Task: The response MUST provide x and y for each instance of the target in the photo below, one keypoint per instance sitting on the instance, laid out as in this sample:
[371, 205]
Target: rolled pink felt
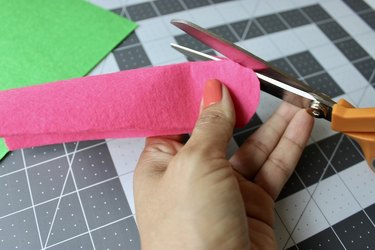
[153, 101]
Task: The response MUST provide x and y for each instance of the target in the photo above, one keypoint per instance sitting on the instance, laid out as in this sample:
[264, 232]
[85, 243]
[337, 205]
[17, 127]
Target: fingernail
[212, 92]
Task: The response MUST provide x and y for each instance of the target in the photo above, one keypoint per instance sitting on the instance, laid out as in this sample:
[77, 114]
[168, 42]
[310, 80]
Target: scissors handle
[357, 123]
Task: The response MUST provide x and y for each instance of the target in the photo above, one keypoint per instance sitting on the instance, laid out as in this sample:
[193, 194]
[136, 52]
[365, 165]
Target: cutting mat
[79, 195]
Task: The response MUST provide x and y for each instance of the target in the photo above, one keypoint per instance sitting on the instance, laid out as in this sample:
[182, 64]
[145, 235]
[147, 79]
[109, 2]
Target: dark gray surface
[81, 203]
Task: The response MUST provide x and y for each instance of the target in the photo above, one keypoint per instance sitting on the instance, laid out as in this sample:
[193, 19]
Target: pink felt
[135, 103]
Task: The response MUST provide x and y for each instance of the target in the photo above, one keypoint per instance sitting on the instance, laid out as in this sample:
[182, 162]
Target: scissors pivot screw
[317, 110]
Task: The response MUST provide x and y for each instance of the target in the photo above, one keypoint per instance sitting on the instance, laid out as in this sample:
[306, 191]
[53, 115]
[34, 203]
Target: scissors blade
[291, 90]
[266, 80]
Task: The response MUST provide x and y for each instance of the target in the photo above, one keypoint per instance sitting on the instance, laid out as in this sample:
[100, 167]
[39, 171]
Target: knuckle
[259, 146]
[213, 117]
[281, 166]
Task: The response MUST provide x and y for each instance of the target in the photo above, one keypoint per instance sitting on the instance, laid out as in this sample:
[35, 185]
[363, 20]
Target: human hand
[191, 197]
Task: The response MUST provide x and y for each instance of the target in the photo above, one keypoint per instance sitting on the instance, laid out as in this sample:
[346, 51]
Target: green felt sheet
[43, 41]
[3, 149]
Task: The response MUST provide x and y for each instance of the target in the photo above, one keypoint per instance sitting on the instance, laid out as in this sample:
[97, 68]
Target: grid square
[356, 232]
[167, 6]
[141, 11]
[354, 25]
[291, 208]
[260, 9]
[69, 220]
[368, 99]
[47, 179]
[278, 6]
[262, 47]
[284, 66]
[367, 69]
[367, 42]
[132, 58]
[127, 184]
[220, 1]
[357, 5]
[152, 29]
[93, 165]
[294, 18]
[311, 36]
[329, 145]
[282, 235]
[70, 147]
[305, 63]
[311, 165]
[160, 52]
[207, 16]
[14, 193]
[190, 42]
[69, 186]
[316, 13]
[370, 210]
[40, 154]
[253, 31]
[232, 11]
[106, 66]
[271, 23]
[351, 49]
[361, 181]
[333, 30]
[81, 242]
[293, 185]
[369, 18]
[311, 222]
[346, 155]
[130, 40]
[240, 27]
[104, 203]
[44, 214]
[12, 162]
[120, 11]
[329, 56]
[349, 78]
[324, 240]
[287, 42]
[335, 200]
[246, 29]
[19, 231]
[337, 9]
[120, 235]
[324, 83]
[88, 144]
[190, 4]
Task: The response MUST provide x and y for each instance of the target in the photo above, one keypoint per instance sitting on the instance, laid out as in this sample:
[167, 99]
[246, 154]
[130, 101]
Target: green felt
[43, 41]
[3, 149]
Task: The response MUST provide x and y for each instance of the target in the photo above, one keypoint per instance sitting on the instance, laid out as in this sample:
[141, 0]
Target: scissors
[357, 123]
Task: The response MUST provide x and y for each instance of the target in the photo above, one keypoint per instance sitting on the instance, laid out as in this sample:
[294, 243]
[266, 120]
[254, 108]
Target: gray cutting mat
[79, 195]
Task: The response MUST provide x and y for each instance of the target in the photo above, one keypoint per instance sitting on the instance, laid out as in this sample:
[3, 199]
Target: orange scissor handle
[357, 123]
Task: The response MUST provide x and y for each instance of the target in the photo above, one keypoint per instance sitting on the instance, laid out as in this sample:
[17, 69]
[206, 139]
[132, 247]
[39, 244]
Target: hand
[191, 197]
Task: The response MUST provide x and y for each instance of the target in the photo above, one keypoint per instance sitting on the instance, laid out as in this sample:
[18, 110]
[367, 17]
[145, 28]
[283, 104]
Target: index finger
[284, 158]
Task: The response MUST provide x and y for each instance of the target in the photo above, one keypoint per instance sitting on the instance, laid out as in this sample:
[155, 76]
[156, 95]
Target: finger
[255, 150]
[282, 161]
[214, 127]
[157, 154]
[258, 204]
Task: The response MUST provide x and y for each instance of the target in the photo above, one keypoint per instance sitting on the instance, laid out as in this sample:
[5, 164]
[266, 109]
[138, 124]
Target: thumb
[214, 127]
